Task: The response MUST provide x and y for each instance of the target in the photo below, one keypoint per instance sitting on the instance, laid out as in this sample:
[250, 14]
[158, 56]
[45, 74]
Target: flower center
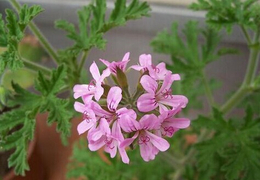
[86, 117]
[168, 130]
[144, 139]
[109, 144]
[167, 93]
[92, 83]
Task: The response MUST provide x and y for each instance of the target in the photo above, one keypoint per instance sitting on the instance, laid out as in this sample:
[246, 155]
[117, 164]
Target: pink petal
[111, 149]
[137, 67]
[158, 142]
[95, 71]
[179, 123]
[113, 98]
[104, 126]
[82, 89]
[123, 155]
[149, 122]
[128, 124]
[126, 56]
[97, 144]
[129, 141]
[145, 60]
[146, 102]
[174, 101]
[146, 151]
[84, 126]
[99, 91]
[167, 83]
[104, 74]
[149, 84]
[79, 107]
[107, 63]
[123, 111]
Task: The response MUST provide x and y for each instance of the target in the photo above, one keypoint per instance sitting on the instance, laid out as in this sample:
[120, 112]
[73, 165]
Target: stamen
[168, 130]
[92, 83]
[109, 143]
[144, 140]
[86, 116]
[166, 93]
[157, 70]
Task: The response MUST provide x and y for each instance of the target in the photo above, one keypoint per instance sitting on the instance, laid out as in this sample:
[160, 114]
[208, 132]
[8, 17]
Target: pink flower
[89, 117]
[113, 66]
[145, 61]
[113, 113]
[170, 124]
[162, 97]
[150, 144]
[94, 88]
[159, 72]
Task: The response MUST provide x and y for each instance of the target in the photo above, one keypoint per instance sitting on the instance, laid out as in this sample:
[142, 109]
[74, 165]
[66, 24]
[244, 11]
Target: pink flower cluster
[115, 119]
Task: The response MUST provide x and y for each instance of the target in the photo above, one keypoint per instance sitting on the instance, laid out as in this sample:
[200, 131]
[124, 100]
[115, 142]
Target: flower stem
[249, 78]
[83, 60]
[249, 42]
[46, 45]
[207, 90]
[36, 67]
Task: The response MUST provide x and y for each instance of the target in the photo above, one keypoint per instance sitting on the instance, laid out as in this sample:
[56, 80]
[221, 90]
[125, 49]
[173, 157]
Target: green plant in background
[227, 148]
[50, 83]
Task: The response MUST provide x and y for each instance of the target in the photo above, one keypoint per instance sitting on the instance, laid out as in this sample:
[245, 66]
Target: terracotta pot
[53, 154]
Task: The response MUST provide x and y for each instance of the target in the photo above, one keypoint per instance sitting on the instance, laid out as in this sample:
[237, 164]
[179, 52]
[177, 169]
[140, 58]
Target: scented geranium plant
[20, 106]
[216, 145]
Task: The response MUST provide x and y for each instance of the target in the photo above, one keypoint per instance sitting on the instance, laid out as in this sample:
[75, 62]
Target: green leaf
[92, 22]
[26, 14]
[51, 87]
[234, 148]
[227, 13]
[12, 25]
[19, 140]
[3, 37]
[58, 113]
[11, 119]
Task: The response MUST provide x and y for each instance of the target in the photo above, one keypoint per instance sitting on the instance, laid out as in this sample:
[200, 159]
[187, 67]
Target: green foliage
[93, 24]
[18, 139]
[233, 150]
[227, 13]
[90, 165]
[27, 105]
[12, 34]
[189, 58]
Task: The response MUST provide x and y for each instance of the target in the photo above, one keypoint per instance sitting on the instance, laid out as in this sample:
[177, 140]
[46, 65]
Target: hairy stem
[83, 60]
[36, 67]
[46, 45]
[207, 90]
[248, 39]
[249, 78]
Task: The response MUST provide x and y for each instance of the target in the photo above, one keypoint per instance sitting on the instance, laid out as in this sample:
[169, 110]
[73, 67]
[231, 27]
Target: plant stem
[249, 78]
[207, 90]
[248, 39]
[46, 45]
[36, 67]
[83, 59]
